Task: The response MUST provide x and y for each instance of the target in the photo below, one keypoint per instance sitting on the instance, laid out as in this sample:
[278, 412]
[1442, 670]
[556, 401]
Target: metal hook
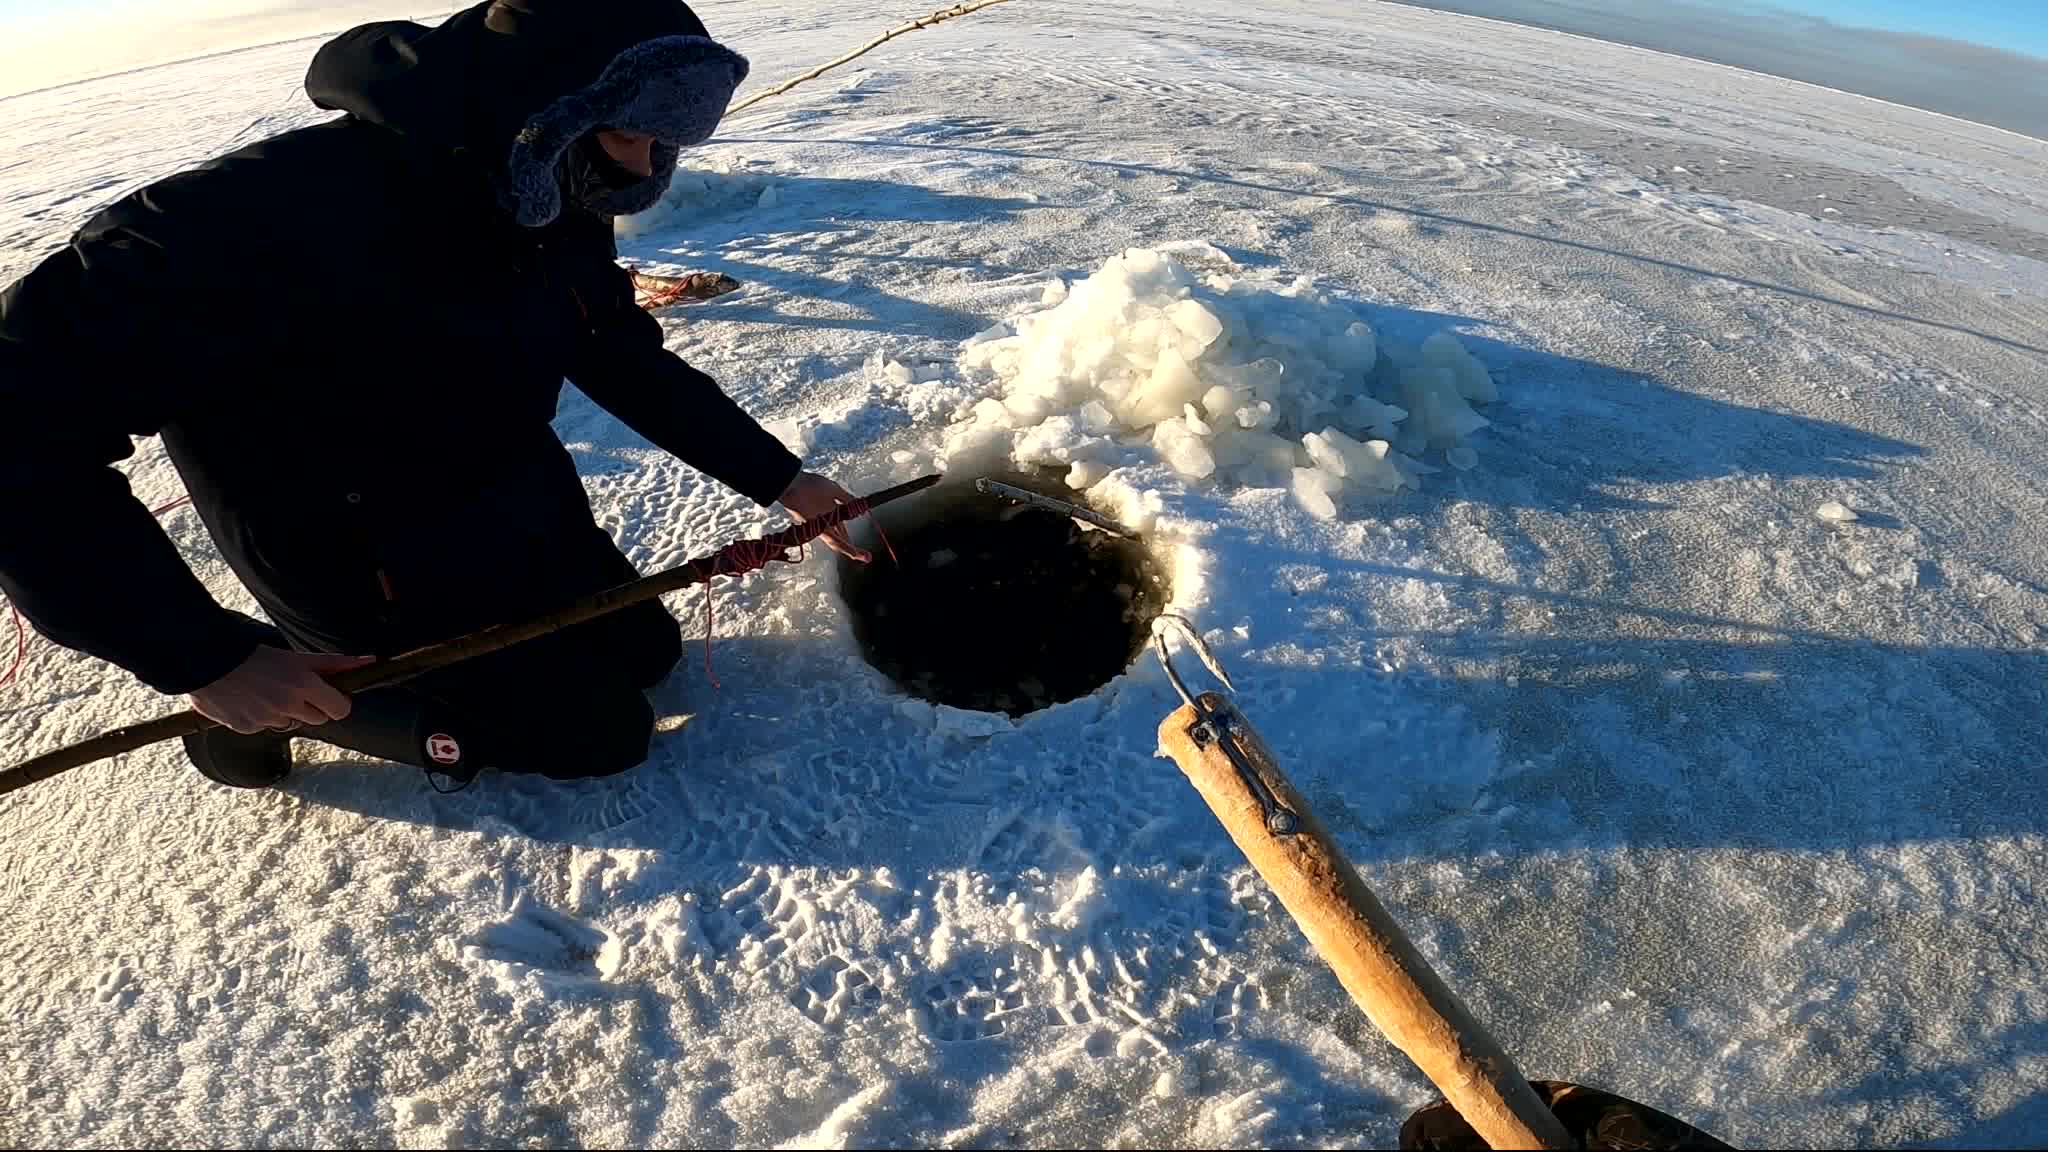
[1193, 639]
[1052, 504]
[1212, 726]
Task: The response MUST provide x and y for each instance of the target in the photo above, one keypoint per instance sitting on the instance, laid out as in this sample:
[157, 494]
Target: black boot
[404, 727]
[225, 756]
[390, 724]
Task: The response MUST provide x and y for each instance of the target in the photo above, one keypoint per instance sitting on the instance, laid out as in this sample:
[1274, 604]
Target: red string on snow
[21, 628]
[653, 298]
[743, 556]
[20, 647]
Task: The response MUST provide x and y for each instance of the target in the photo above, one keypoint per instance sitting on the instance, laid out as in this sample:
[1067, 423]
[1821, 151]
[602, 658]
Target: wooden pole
[1352, 931]
[423, 660]
[921, 22]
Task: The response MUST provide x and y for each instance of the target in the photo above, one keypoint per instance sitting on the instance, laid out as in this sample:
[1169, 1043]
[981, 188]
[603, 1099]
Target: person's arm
[94, 348]
[628, 371]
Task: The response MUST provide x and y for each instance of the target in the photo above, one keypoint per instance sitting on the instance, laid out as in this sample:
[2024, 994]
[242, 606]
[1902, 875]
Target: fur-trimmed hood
[511, 84]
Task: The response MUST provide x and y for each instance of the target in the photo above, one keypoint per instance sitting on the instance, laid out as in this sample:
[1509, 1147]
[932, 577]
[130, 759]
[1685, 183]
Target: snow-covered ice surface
[1695, 794]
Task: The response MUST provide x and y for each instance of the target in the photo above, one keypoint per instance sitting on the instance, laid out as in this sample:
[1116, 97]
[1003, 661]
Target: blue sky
[2020, 25]
[2016, 24]
[45, 42]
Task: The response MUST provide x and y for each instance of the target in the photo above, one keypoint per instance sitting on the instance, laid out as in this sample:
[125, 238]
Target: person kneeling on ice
[352, 338]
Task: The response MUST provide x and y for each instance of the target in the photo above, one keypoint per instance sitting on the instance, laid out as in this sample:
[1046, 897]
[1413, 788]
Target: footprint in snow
[835, 991]
[216, 990]
[1232, 1006]
[978, 1004]
[533, 940]
[117, 987]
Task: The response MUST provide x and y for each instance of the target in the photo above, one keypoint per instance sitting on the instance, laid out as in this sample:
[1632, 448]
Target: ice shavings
[1251, 382]
[695, 194]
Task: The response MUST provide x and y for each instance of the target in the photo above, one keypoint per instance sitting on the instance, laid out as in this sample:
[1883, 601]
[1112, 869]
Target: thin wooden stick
[921, 22]
[423, 660]
[1357, 938]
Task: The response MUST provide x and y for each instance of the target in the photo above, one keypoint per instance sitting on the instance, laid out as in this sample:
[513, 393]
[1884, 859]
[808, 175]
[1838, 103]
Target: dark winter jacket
[353, 352]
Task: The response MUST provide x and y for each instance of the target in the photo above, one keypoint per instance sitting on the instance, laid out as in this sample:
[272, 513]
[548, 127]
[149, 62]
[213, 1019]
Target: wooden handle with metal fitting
[1352, 931]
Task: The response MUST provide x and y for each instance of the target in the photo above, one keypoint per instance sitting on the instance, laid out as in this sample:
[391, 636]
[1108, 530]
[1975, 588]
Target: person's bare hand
[277, 690]
[810, 496]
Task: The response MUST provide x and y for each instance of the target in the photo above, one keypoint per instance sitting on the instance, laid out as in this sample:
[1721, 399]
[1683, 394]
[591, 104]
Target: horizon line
[1423, 6]
[1418, 5]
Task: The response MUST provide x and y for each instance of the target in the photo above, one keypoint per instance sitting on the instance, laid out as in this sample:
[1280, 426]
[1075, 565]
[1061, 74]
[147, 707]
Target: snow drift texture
[1246, 381]
[1600, 731]
[698, 193]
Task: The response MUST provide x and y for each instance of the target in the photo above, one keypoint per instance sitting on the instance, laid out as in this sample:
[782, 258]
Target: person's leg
[567, 705]
[395, 724]
[405, 726]
[564, 730]
[388, 723]
[639, 646]
[558, 730]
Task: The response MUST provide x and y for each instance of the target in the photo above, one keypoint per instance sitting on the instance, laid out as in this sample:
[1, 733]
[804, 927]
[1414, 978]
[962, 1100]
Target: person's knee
[602, 737]
[654, 645]
[635, 646]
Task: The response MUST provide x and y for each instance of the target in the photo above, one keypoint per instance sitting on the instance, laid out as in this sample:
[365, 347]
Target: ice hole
[998, 606]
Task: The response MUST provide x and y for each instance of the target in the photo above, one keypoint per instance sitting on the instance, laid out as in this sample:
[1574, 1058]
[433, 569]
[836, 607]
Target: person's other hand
[277, 690]
[810, 496]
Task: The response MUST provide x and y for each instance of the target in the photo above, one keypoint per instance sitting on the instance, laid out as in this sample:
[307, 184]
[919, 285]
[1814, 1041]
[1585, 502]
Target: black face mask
[600, 184]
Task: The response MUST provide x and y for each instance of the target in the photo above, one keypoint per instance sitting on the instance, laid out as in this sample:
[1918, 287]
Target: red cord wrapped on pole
[735, 559]
[743, 556]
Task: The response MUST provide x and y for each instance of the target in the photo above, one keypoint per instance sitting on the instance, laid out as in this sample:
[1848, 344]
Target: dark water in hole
[999, 607]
